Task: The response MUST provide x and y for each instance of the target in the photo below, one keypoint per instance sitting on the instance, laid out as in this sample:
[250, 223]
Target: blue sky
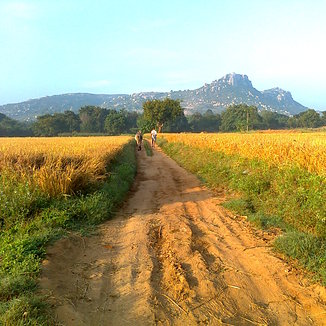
[54, 47]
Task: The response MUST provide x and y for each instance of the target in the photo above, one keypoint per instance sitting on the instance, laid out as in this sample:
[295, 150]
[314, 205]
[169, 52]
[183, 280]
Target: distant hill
[236, 89]
[217, 96]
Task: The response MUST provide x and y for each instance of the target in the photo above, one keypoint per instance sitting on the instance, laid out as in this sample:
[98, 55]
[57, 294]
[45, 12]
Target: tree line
[165, 115]
[12, 128]
[243, 117]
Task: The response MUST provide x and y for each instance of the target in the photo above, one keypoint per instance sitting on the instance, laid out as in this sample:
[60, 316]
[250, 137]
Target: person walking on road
[154, 135]
[139, 139]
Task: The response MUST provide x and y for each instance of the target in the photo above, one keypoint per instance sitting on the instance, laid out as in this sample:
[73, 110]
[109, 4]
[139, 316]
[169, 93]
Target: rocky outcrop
[218, 95]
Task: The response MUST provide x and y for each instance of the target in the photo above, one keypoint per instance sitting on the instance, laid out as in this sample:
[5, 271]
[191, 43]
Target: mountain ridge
[218, 95]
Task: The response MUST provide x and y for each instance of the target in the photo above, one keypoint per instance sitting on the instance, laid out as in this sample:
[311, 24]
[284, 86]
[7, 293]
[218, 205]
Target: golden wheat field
[59, 165]
[306, 150]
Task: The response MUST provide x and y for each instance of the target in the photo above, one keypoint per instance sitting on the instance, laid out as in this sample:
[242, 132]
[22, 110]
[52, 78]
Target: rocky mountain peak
[231, 80]
[236, 80]
[216, 96]
[278, 93]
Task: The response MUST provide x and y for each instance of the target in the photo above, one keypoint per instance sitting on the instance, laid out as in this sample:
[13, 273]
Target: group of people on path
[139, 138]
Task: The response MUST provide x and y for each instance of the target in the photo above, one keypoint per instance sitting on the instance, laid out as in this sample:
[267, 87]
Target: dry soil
[174, 256]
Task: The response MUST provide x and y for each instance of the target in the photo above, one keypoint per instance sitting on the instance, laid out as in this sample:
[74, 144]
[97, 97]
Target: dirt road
[174, 256]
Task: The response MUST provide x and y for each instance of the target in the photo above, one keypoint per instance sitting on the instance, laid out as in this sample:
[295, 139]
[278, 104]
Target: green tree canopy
[92, 119]
[274, 120]
[309, 119]
[208, 121]
[159, 112]
[10, 127]
[115, 122]
[131, 120]
[240, 117]
[323, 118]
[72, 121]
[49, 125]
[54, 124]
[144, 125]
[306, 119]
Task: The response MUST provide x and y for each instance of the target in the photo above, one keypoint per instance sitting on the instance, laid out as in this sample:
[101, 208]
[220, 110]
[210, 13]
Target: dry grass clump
[60, 166]
[306, 150]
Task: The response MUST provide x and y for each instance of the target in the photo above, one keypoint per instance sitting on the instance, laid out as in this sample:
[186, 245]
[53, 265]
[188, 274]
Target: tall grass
[303, 150]
[59, 166]
[30, 218]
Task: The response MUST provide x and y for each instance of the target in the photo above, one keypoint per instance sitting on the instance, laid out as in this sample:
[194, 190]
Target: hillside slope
[217, 96]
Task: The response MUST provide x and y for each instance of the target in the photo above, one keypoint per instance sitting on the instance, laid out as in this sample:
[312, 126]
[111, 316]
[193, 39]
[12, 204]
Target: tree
[92, 119]
[54, 124]
[306, 119]
[159, 112]
[144, 125]
[131, 120]
[178, 124]
[274, 120]
[240, 117]
[72, 121]
[323, 118]
[208, 122]
[195, 122]
[49, 125]
[309, 119]
[115, 122]
[10, 127]
[293, 122]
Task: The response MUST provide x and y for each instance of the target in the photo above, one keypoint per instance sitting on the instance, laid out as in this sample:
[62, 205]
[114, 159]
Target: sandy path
[174, 256]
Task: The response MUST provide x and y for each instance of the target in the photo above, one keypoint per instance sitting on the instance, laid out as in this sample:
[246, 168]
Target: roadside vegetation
[148, 148]
[48, 189]
[280, 179]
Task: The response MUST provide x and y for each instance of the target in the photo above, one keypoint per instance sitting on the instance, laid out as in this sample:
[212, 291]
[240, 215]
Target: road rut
[174, 256]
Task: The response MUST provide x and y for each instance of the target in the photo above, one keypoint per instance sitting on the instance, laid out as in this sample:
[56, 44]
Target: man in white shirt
[154, 134]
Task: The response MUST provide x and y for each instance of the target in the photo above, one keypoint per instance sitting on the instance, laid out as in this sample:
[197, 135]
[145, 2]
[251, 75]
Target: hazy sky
[126, 46]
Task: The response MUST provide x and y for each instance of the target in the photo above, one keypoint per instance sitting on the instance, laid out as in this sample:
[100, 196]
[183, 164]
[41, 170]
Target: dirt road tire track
[174, 256]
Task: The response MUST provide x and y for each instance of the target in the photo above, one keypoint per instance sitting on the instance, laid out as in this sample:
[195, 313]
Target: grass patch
[266, 222]
[289, 198]
[27, 228]
[26, 310]
[309, 250]
[245, 207]
[148, 148]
